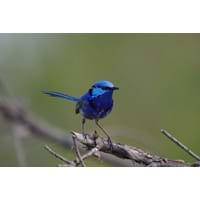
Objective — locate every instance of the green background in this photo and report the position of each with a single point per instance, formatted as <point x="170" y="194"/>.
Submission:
<point x="158" y="77"/>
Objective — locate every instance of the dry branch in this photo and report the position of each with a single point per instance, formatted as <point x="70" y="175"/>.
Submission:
<point x="119" y="154"/>
<point x="138" y="156"/>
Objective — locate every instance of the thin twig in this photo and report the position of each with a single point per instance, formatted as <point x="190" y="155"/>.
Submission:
<point x="94" y="149"/>
<point x="59" y="156"/>
<point x="90" y="153"/>
<point x="78" y="152"/>
<point x="180" y="144"/>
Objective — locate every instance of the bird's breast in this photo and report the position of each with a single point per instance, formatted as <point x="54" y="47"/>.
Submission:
<point x="97" y="107"/>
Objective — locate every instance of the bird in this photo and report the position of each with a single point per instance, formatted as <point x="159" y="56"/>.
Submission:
<point x="95" y="104"/>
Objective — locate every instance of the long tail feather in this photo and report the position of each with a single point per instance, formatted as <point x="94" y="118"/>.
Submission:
<point x="61" y="95"/>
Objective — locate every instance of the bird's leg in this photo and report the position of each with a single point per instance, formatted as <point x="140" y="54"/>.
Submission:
<point x="83" y="131"/>
<point x="109" y="139"/>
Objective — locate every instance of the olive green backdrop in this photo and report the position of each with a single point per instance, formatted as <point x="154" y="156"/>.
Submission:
<point x="158" y="76"/>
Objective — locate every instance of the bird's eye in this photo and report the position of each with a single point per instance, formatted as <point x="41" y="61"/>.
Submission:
<point x="106" y="88"/>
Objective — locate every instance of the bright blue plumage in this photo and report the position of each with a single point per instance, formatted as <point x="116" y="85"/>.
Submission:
<point x="95" y="104"/>
<point x="61" y="95"/>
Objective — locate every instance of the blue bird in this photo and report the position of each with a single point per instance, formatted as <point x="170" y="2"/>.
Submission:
<point x="95" y="104"/>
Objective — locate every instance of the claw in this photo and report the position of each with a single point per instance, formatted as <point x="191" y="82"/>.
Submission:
<point x="85" y="136"/>
<point x="95" y="137"/>
<point x="110" y="143"/>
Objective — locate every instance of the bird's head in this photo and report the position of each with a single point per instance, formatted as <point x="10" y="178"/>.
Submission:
<point x="102" y="87"/>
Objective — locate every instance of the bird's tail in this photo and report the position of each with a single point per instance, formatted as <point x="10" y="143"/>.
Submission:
<point x="61" y="95"/>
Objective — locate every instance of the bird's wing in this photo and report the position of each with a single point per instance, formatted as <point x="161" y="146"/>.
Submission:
<point x="78" y="107"/>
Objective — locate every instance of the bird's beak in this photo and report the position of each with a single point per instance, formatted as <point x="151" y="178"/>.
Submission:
<point x="115" y="88"/>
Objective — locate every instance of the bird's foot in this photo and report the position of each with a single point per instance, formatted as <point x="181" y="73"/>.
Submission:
<point x="85" y="135"/>
<point x="110" y="143"/>
<point x="95" y="136"/>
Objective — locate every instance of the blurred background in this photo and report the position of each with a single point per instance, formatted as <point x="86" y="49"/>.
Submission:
<point x="158" y="77"/>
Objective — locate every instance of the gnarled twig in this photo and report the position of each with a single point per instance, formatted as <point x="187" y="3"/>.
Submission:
<point x="138" y="156"/>
<point x="120" y="153"/>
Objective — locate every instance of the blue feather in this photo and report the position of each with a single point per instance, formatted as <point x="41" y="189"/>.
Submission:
<point x="61" y="95"/>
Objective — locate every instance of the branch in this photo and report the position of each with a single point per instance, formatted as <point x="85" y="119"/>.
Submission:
<point x="18" y="144"/>
<point x="119" y="154"/>
<point x="138" y="156"/>
<point x="68" y="162"/>
<point x="181" y="145"/>
<point x="15" y="113"/>
<point x="17" y="137"/>
<point x="79" y="158"/>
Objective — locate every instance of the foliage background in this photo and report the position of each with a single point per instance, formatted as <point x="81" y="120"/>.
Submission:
<point x="158" y="76"/>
